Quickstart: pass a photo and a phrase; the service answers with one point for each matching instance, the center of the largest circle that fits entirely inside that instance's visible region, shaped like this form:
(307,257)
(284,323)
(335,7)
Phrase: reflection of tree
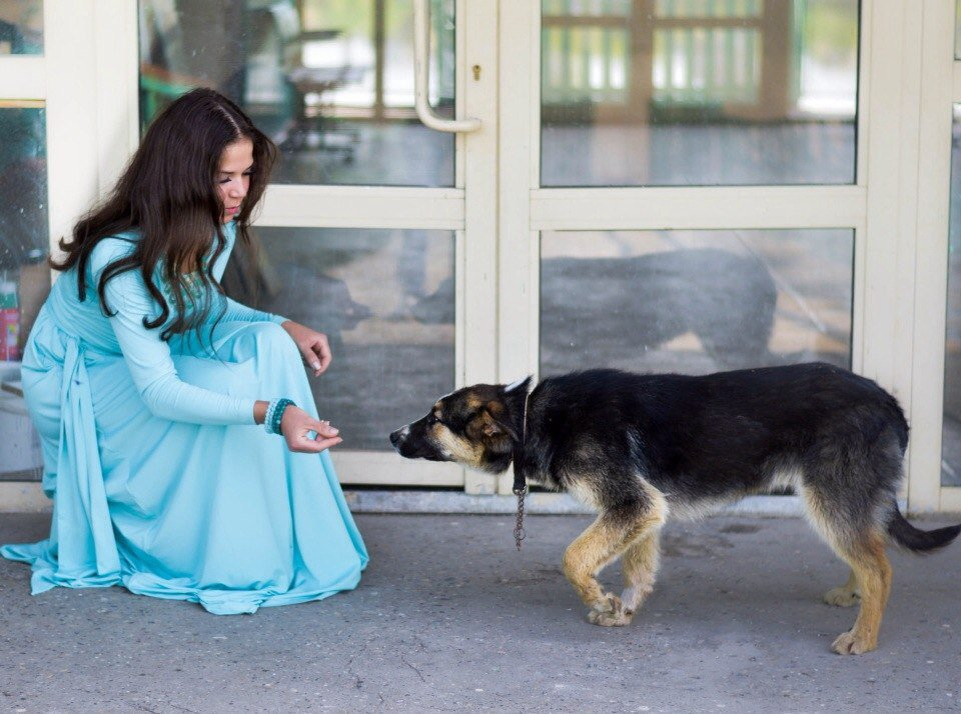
(829,31)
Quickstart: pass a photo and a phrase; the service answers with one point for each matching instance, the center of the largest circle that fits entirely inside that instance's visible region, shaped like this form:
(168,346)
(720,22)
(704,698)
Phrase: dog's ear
(520,386)
(514,398)
(493,421)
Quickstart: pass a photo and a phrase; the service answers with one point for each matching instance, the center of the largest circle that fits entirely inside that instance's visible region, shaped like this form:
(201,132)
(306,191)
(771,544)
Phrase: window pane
(698,92)
(331,81)
(951,431)
(385,300)
(21,27)
(695,301)
(24,275)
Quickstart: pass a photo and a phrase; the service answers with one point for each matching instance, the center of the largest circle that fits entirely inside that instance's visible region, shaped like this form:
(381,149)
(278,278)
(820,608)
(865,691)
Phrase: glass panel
(24,275)
(21,27)
(698,92)
(385,300)
(331,81)
(695,301)
(951,431)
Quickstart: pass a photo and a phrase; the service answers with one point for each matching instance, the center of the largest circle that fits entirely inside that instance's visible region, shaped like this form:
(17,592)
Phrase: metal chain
(519,533)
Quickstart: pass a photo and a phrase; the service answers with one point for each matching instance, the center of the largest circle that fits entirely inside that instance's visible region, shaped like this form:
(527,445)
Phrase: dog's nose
(395,438)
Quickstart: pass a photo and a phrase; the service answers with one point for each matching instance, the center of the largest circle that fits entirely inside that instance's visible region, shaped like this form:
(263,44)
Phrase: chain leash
(519,533)
(520,479)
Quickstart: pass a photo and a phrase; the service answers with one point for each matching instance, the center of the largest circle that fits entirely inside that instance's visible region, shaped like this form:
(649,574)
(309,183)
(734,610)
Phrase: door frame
(939,91)
(881,207)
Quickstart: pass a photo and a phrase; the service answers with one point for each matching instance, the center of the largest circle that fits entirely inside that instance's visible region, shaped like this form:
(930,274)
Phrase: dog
(638,448)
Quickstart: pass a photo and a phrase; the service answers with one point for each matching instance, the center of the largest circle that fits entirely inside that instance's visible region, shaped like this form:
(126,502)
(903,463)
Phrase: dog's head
(475,427)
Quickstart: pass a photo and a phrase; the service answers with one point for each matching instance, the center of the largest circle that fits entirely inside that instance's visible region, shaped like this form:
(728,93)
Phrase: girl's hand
(313,346)
(296,424)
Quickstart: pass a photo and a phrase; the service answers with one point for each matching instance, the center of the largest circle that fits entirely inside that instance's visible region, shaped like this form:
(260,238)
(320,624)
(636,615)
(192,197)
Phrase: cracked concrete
(449,617)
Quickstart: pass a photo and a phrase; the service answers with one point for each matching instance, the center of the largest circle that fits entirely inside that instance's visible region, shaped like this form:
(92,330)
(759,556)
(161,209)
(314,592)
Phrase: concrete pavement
(450,617)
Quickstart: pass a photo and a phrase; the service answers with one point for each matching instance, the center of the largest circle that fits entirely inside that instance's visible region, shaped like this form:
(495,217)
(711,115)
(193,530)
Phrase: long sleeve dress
(161,480)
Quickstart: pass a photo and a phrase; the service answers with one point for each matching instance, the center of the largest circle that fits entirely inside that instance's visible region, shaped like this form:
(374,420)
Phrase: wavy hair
(168,193)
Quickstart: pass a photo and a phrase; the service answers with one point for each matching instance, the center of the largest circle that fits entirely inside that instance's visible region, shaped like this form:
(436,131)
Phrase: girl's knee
(271,338)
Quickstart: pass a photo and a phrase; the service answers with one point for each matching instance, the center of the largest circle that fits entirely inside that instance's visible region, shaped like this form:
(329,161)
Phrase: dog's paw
(842,597)
(619,618)
(609,602)
(848,643)
(609,612)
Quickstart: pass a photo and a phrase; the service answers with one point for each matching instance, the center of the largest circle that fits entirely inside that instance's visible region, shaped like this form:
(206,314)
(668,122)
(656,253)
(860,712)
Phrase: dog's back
(700,438)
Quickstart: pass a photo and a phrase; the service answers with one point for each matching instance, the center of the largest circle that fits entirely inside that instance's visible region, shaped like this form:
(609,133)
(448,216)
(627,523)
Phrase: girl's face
(233,179)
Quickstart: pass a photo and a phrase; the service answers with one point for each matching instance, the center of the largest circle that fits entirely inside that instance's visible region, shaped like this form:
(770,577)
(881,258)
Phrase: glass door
(695,186)
(373,230)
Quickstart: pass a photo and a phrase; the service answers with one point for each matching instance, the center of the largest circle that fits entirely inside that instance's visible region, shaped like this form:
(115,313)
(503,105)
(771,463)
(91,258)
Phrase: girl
(147,386)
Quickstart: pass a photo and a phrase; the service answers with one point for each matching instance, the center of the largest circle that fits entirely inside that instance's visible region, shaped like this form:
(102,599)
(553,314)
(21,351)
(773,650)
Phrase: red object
(9,334)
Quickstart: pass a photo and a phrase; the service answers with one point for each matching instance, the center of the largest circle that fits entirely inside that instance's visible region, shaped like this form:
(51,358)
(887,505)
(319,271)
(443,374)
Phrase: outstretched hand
(313,346)
(297,426)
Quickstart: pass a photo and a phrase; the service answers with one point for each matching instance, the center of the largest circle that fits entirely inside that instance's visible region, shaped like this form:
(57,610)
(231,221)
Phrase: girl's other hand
(313,346)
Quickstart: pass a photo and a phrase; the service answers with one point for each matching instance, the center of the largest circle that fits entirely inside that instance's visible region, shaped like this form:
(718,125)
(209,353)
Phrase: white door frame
(939,90)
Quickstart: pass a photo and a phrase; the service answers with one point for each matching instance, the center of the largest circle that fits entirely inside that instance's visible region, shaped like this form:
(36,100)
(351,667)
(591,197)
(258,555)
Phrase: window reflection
(695,301)
(21,27)
(385,300)
(698,92)
(331,81)
(24,275)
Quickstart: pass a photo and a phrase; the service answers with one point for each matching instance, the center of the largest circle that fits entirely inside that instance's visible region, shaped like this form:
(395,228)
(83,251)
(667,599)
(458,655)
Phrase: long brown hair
(168,194)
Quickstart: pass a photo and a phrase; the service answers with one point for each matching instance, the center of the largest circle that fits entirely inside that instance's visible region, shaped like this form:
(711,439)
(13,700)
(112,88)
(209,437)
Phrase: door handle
(421,77)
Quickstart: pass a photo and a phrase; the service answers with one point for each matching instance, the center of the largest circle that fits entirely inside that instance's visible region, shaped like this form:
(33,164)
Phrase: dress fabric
(161,480)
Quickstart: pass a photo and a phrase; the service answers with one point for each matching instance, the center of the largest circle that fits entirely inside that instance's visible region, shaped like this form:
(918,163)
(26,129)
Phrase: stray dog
(639,447)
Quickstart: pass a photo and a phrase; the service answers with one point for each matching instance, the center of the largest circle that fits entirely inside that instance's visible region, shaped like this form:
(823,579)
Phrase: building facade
(656,185)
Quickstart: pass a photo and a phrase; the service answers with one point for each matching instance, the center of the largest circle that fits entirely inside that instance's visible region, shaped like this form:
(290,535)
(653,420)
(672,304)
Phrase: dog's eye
(431,420)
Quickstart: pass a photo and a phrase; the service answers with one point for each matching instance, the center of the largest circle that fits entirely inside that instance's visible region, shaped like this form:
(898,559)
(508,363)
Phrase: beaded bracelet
(275,414)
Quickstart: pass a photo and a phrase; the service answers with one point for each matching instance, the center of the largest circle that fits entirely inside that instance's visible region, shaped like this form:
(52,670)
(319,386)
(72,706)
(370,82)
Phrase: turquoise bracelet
(271,406)
(275,414)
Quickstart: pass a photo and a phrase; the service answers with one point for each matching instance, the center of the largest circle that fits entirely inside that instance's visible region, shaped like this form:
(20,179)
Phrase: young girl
(147,386)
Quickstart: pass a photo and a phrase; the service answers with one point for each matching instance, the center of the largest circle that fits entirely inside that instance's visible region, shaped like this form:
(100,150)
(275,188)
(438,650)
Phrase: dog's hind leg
(613,533)
(861,545)
(870,565)
(846,595)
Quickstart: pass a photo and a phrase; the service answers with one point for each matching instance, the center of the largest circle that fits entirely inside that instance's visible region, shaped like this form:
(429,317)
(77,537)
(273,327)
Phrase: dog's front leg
(606,538)
(583,560)
(640,563)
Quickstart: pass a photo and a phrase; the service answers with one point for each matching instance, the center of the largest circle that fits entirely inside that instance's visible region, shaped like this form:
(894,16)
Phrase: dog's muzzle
(397,437)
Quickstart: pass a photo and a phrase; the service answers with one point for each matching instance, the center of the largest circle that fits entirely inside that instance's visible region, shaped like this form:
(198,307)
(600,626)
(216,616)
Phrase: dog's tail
(916,539)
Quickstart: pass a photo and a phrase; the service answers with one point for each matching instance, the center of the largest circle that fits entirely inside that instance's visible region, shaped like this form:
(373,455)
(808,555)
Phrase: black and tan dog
(641,447)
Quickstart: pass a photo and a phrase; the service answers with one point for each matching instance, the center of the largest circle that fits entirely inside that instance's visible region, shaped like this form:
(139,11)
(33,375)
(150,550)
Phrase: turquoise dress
(160,479)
